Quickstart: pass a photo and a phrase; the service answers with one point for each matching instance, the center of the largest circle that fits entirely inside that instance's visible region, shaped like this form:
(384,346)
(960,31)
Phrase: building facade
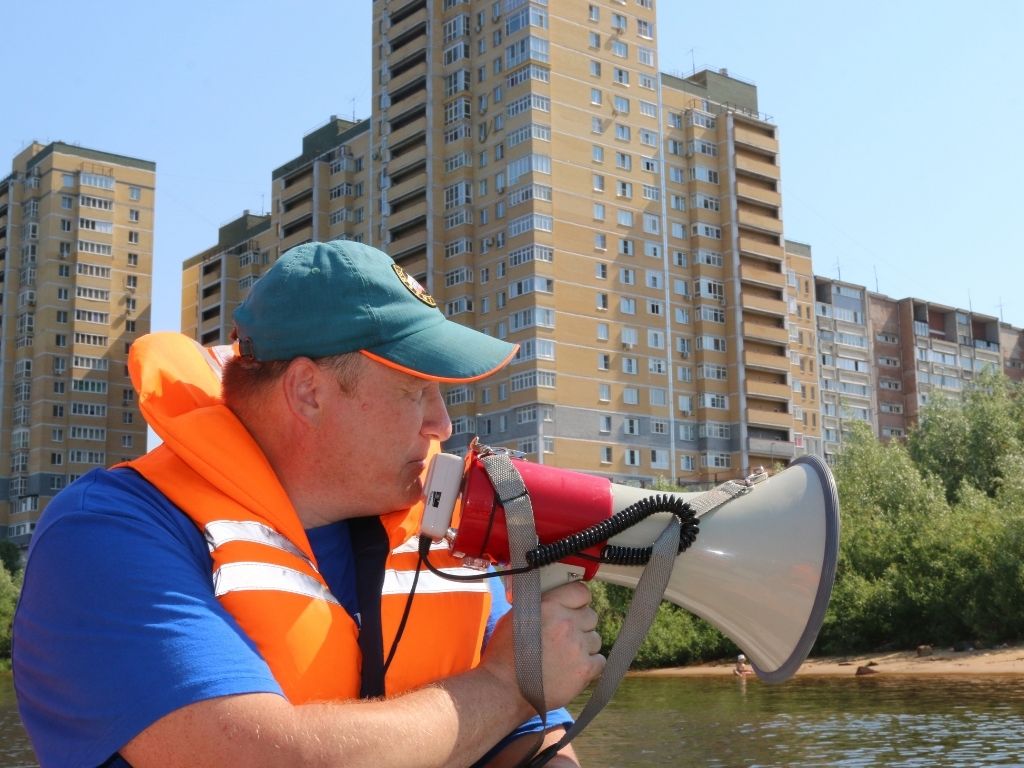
(531,166)
(76,253)
(882,359)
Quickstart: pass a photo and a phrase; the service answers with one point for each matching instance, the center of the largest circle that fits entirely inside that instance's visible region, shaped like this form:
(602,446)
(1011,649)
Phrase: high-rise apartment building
(76,249)
(531,166)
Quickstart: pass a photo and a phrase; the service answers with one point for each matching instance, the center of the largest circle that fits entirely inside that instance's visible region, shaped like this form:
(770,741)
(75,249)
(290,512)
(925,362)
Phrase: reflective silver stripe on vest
(400,582)
(413,545)
(219,532)
(244,577)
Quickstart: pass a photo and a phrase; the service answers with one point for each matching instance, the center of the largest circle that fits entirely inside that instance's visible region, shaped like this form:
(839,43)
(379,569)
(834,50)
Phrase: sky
(900,123)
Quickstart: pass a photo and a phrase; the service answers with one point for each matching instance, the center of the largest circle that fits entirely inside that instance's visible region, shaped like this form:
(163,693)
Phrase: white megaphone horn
(760,570)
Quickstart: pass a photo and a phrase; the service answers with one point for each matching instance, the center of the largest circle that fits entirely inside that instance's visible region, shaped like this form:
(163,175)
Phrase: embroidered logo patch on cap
(414,287)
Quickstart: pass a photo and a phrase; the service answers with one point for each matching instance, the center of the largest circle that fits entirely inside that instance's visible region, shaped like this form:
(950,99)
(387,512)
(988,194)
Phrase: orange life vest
(264,570)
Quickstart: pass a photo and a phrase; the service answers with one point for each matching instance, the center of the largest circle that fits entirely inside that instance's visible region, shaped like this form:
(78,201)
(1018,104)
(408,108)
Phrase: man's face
(378,435)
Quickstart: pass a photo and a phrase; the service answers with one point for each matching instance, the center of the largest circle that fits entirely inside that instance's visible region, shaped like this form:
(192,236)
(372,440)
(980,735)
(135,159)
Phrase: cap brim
(448,352)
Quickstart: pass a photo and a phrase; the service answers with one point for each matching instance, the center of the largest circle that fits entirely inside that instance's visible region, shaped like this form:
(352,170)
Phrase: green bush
(10,587)
(932,540)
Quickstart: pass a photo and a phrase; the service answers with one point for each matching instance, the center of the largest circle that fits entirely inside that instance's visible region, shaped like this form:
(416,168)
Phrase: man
(237,595)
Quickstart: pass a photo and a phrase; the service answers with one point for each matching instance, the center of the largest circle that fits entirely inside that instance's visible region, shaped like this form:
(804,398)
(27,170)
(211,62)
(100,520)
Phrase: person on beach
(742,669)
(239,596)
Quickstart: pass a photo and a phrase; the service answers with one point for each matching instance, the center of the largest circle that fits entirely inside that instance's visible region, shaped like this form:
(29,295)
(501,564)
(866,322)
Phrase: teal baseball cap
(322,299)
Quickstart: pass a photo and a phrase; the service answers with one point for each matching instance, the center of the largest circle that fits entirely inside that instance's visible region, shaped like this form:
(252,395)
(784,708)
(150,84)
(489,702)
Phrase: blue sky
(900,123)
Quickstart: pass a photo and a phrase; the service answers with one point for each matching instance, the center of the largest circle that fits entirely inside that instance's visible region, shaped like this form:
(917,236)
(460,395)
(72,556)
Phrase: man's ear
(303,387)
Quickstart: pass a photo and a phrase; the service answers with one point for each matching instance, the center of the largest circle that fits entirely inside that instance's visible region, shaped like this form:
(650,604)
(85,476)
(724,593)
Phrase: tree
(10,555)
(932,542)
(966,439)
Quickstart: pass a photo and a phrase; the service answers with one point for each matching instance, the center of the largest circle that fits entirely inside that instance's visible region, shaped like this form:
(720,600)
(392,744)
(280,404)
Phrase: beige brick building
(531,166)
(76,253)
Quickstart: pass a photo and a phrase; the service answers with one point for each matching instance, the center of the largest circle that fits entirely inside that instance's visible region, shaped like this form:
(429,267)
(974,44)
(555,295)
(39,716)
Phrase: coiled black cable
(545,554)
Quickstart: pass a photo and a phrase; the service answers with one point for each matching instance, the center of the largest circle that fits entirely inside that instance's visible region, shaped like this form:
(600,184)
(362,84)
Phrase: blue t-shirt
(118,626)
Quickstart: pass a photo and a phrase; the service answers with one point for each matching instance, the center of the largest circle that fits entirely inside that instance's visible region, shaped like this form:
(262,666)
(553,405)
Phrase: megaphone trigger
(441,492)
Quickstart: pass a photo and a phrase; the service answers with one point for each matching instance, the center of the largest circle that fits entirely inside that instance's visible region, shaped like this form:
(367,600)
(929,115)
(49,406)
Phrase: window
(712,343)
(716,460)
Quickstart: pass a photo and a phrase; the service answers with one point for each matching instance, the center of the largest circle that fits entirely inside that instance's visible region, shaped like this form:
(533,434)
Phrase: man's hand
(570,645)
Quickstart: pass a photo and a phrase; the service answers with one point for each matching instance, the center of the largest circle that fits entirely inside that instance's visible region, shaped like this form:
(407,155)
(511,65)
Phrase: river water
(725,722)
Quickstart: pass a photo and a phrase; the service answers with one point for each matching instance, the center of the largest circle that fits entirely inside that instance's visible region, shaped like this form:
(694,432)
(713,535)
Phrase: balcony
(751,274)
(296,233)
(399,193)
(399,30)
(766,333)
(769,390)
(764,305)
(408,78)
(769,418)
(765,361)
(411,243)
(750,219)
(303,209)
(773,449)
(761,250)
(415,128)
(745,135)
(745,190)
(756,167)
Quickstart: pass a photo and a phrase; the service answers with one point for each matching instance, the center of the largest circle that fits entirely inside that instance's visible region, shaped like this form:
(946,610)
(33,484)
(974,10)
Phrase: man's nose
(436,423)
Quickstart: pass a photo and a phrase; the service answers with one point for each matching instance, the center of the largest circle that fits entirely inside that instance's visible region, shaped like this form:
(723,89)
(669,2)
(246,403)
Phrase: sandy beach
(940,661)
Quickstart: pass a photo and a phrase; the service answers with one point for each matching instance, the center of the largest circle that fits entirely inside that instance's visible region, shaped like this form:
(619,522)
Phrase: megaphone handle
(642,609)
(522,537)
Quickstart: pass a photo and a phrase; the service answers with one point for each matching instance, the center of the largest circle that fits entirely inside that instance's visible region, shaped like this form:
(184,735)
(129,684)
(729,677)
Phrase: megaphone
(760,569)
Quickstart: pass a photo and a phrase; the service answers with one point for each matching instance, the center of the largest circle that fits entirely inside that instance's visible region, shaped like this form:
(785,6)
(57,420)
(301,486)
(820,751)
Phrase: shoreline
(1004,660)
